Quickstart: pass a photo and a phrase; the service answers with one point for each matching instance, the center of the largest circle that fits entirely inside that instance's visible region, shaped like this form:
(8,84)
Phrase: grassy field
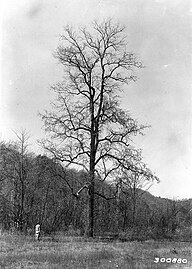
(75,252)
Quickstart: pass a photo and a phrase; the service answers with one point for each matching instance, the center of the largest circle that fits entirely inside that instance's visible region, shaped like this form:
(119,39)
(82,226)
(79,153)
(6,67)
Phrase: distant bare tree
(15,170)
(135,184)
(87,127)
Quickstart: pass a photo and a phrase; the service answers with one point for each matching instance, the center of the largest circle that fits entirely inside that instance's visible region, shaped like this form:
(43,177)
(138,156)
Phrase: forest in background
(37,189)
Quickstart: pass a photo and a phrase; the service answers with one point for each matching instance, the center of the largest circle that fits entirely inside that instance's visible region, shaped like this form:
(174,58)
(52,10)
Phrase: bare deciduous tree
(135,184)
(15,173)
(87,127)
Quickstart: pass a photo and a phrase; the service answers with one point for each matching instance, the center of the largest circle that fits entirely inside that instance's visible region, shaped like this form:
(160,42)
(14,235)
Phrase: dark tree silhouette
(87,127)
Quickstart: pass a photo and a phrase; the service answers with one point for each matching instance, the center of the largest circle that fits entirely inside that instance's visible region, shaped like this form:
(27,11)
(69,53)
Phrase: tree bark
(91,211)
(91,188)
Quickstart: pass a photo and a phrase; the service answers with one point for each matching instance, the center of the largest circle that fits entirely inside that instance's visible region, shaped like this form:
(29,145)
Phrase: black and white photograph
(96,134)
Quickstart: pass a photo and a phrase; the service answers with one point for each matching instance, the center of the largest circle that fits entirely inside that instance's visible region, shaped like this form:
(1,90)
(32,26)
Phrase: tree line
(38,189)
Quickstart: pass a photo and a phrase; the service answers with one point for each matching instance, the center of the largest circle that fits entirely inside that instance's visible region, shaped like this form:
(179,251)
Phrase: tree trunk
(91,211)
(133,212)
(90,228)
(124,219)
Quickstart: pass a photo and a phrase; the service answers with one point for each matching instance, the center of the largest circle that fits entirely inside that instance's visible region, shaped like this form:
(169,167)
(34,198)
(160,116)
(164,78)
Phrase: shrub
(72,231)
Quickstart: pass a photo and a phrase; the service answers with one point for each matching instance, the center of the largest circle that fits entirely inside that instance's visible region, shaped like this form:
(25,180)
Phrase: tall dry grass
(19,251)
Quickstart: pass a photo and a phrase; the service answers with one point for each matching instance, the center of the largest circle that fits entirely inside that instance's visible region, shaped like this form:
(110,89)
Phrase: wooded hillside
(37,189)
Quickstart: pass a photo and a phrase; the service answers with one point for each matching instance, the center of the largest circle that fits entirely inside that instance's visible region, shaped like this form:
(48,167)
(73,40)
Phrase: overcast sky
(159,32)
